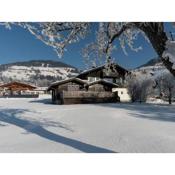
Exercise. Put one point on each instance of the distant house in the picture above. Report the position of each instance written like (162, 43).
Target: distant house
(17, 89)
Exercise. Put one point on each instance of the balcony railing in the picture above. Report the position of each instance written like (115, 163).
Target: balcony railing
(89, 94)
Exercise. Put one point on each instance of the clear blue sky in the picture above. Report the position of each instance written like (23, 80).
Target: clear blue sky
(18, 44)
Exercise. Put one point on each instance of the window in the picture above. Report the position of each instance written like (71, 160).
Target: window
(121, 92)
(91, 79)
(96, 78)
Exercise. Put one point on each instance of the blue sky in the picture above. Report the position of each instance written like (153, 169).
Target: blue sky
(18, 44)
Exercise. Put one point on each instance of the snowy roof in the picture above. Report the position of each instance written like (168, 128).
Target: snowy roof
(57, 83)
(17, 83)
(118, 68)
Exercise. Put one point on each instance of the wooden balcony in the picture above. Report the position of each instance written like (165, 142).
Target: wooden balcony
(80, 97)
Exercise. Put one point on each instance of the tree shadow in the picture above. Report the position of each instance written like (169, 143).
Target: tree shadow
(161, 112)
(43, 101)
(11, 116)
(43, 122)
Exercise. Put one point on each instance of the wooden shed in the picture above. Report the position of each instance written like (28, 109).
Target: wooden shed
(62, 88)
(77, 91)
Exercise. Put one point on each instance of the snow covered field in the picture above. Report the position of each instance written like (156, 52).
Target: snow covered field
(34, 125)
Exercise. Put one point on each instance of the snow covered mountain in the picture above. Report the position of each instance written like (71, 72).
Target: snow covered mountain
(44, 72)
(152, 68)
(38, 72)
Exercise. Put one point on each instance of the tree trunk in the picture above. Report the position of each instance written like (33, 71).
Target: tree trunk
(157, 36)
(170, 96)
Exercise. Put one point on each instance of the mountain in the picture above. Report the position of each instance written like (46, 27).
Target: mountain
(37, 72)
(152, 62)
(152, 68)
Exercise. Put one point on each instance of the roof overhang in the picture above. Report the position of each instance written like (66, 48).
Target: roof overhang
(58, 83)
(103, 82)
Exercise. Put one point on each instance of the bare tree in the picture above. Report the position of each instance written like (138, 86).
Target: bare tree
(133, 89)
(139, 88)
(166, 84)
(127, 33)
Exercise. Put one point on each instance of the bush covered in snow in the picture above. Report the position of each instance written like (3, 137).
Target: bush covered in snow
(139, 88)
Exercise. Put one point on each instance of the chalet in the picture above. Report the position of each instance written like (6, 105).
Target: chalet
(17, 89)
(75, 90)
(92, 86)
(113, 73)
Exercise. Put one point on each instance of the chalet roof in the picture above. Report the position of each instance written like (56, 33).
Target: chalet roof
(58, 83)
(122, 71)
(103, 82)
(16, 83)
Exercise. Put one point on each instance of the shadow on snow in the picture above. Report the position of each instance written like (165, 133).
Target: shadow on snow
(161, 112)
(10, 116)
(43, 101)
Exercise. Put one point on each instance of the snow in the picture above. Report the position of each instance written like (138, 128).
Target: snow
(35, 125)
(156, 101)
(26, 72)
(170, 52)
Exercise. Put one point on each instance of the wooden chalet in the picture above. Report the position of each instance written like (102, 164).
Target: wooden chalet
(77, 91)
(91, 86)
(17, 89)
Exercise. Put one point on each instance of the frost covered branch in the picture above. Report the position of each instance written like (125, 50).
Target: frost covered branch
(127, 33)
(55, 34)
(60, 34)
(106, 36)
